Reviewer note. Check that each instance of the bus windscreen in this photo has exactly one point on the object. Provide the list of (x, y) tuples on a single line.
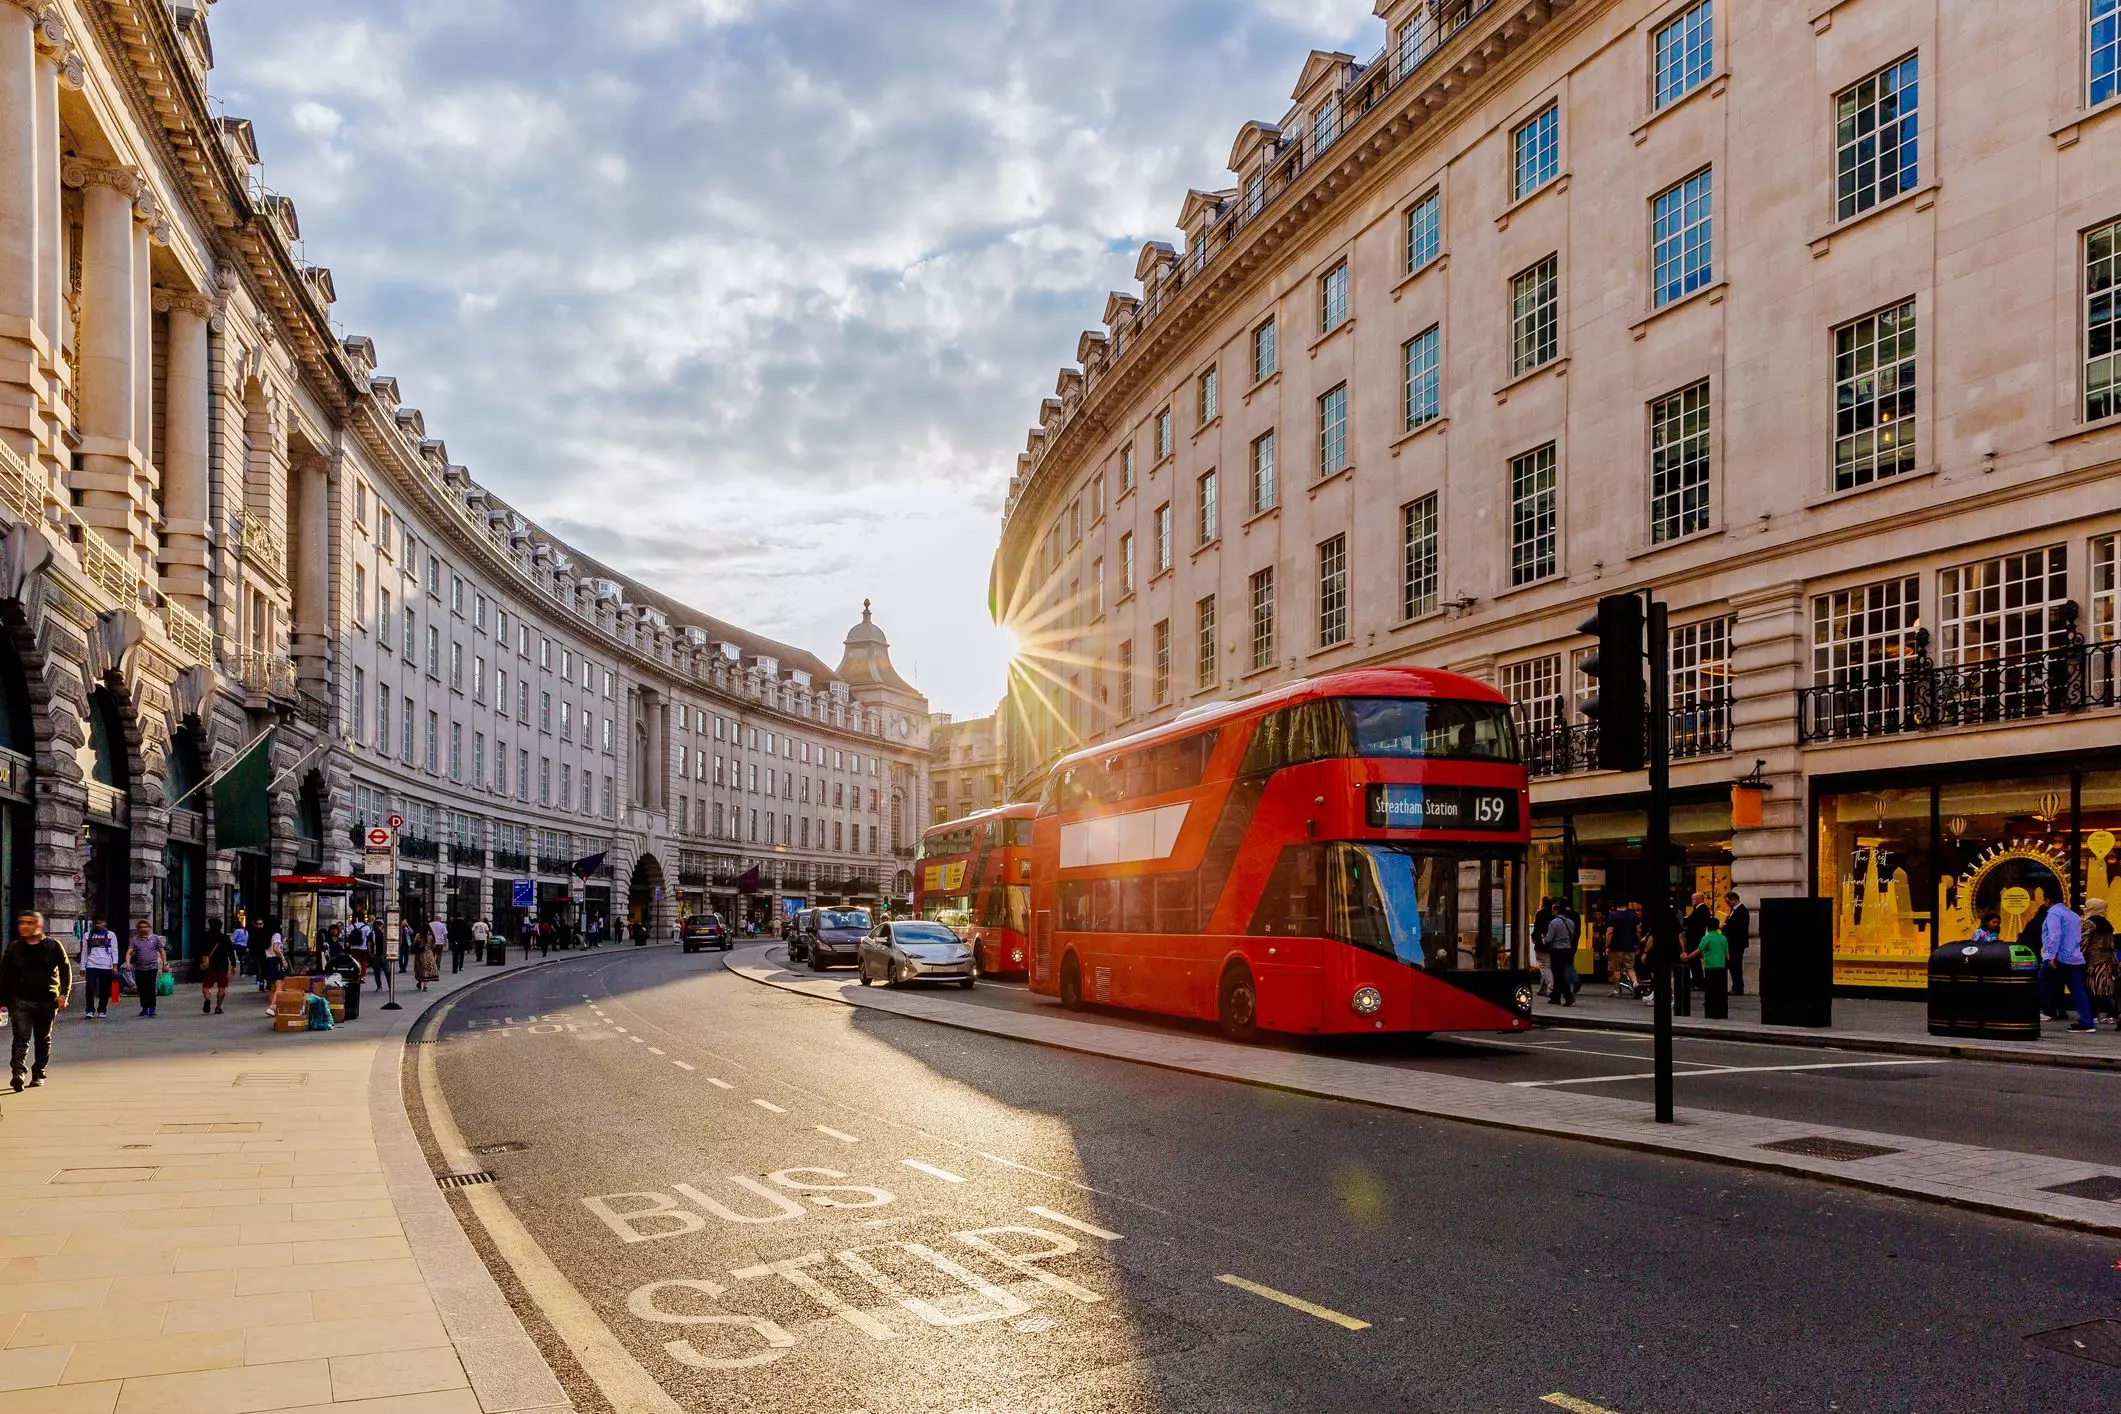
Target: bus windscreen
[(1438, 730)]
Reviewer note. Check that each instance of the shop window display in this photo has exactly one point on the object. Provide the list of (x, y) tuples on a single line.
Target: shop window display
[(1874, 854), (2005, 847)]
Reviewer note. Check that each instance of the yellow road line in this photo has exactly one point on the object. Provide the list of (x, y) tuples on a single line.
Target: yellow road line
[(1574, 1405), (1295, 1303)]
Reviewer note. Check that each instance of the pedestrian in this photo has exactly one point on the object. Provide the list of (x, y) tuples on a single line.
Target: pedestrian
[(1540, 920), (426, 961), (2099, 960), (1738, 931), (217, 961), (274, 966), (99, 965), (1560, 941), (2062, 960), (544, 931), (1622, 940), (251, 948), (1712, 955), (481, 937), (146, 957), (1687, 975), (36, 982), (459, 939), (1990, 930)]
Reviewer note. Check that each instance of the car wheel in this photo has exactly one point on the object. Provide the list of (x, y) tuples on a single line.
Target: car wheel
[(1071, 983), (1237, 1004), (861, 970), (967, 983), (817, 964)]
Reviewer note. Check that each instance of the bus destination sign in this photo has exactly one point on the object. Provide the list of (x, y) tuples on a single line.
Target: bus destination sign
[(1427, 807)]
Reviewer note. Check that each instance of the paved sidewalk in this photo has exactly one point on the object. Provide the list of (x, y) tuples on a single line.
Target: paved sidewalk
[(197, 1217), (1965, 1175), (1860, 1024)]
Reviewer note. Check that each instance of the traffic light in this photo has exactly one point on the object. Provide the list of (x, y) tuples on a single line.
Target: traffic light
[(1618, 705)]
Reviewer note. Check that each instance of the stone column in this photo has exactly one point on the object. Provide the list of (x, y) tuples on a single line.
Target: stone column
[(1767, 665), (19, 140), (109, 346), (143, 333), (659, 754), (310, 568), (54, 58), (185, 551)]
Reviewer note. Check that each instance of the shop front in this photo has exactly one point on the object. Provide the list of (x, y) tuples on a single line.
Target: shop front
[(1915, 860), (1592, 852)]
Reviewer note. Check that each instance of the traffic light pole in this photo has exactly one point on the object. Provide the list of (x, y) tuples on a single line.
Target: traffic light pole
[(1664, 931)]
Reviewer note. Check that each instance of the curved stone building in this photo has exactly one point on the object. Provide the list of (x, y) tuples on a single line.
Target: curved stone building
[(222, 529), (1803, 316)]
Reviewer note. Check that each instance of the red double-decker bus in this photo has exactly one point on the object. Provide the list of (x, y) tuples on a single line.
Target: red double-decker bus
[(1344, 854), (975, 875)]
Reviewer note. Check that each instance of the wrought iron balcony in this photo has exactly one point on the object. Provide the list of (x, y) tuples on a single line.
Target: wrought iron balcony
[(413, 847), (1917, 695), (511, 859), (471, 854), (1698, 729)]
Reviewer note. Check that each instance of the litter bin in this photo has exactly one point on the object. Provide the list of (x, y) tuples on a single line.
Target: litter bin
[(1985, 989), (497, 951)]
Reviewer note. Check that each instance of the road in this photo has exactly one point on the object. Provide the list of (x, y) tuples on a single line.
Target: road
[(883, 1215)]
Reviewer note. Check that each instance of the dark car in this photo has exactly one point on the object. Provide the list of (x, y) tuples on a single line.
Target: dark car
[(704, 931), (828, 936)]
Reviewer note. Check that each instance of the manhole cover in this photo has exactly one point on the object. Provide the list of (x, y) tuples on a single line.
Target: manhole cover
[(1818, 1146), (251, 1079), (2098, 1341), (463, 1180), (505, 1146), (2101, 1187)]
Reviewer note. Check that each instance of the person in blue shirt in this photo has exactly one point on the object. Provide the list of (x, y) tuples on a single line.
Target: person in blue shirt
[(2062, 960)]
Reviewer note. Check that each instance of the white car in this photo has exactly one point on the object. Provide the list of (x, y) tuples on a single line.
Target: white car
[(913, 950)]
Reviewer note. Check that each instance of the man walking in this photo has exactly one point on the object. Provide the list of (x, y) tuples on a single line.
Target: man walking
[(35, 980), (481, 937), (146, 958), (1621, 943), (99, 963), (2062, 960), (1738, 936), (216, 962), (1561, 952), (459, 939)]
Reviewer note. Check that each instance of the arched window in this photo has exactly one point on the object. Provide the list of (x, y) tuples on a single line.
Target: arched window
[(106, 736)]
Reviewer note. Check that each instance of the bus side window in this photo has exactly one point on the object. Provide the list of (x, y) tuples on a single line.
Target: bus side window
[(1138, 904), (1074, 906), (1292, 905), (1175, 903)]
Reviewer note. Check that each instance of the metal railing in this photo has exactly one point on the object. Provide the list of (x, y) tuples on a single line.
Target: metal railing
[(108, 570), (262, 546), (414, 847), (188, 633), (1916, 695), (21, 487), (266, 673), (1697, 729), (511, 859)]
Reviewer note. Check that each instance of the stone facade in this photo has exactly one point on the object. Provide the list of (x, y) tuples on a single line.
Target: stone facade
[(1800, 317), (968, 769), (205, 498)]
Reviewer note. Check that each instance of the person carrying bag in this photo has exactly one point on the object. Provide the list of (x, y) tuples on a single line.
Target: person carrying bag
[(147, 957)]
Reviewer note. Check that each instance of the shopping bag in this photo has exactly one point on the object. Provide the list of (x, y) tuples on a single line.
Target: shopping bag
[(125, 981), (166, 983)]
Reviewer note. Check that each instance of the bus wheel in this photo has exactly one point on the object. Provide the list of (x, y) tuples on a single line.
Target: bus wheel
[(1071, 983), (1237, 1004)]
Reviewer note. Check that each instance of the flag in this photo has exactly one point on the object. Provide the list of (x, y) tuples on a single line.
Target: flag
[(749, 883), (583, 868), (242, 809)]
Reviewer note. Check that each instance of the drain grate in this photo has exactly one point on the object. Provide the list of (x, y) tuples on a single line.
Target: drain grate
[(505, 1146), (256, 1079), (2097, 1341), (2102, 1187), (1818, 1146), (463, 1180)]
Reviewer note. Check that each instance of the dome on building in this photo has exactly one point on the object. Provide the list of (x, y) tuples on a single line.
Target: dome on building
[(866, 631), (867, 660)]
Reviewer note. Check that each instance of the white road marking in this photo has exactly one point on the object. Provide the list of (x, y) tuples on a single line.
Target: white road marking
[(655, 1050), (932, 1171), (620, 1029), (720, 1084), (1057, 1178), (1719, 1070), (836, 1134), (769, 1105), (637, 1040), (681, 1065), (1295, 1303), (1077, 1223), (1574, 1405)]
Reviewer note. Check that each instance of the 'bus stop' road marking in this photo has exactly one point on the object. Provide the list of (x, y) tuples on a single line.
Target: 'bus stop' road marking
[(1077, 1223), (932, 1171), (1295, 1303), (682, 1065), (832, 1133), (1720, 1070), (769, 1105), (1574, 1405)]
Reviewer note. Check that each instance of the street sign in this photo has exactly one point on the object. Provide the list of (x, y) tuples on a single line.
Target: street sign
[(377, 861), (397, 822), (378, 839), (523, 893)]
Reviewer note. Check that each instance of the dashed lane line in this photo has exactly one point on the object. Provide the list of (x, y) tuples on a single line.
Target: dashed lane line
[(769, 1105), (719, 1084), (656, 1051), (1295, 1303), (932, 1171), (637, 1040), (1077, 1223), (1720, 1070), (1574, 1405), (620, 1029), (831, 1133), (682, 1065)]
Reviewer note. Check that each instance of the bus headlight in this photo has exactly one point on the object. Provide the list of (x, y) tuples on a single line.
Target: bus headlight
[(1016, 954), (1367, 1001)]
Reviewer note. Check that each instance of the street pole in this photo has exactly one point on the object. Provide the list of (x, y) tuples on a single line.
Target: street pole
[(390, 929), (1665, 945)]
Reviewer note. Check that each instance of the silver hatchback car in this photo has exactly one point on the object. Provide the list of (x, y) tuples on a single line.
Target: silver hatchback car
[(913, 950)]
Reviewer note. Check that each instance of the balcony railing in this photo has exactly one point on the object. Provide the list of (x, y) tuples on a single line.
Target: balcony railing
[(413, 847), (21, 488), (265, 673), (1697, 729), (1916, 695), (262, 547), (511, 859), (471, 854), (188, 632), (108, 570)]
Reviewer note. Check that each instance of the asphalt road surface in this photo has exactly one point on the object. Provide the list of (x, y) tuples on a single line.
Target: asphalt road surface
[(777, 1203)]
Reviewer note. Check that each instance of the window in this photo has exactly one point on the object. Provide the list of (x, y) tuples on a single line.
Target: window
[(1679, 464), (1534, 690), (433, 739), (1859, 632), (1424, 231), (360, 705), (1420, 363), (456, 667), (1535, 151), (1163, 434), (1874, 139), (523, 773), (1874, 397), (1097, 587), (1207, 402), (2102, 319), (1126, 677), (1163, 537), (1097, 497), (1075, 522), (1325, 124), (478, 611), (1263, 619), (1535, 316), (1684, 51), (1534, 528), (434, 575), (456, 593), (1126, 564), (544, 780), (2105, 621), (523, 700), (478, 758), (434, 651), (1415, 40), (456, 751), (405, 731), (1207, 520), (1333, 298), (1681, 248), (1126, 467), (1160, 680), (1333, 432), (383, 717), (545, 653), (1263, 351), (2105, 51), (2003, 607), (1700, 666), (1263, 473), (1419, 555), (1204, 670), (545, 712), (360, 503), (384, 625), (567, 730), (412, 635), (360, 592), (1333, 591)]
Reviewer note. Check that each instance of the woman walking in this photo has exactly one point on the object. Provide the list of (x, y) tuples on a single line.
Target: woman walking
[(147, 957), (2099, 961), (426, 961), (274, 965), (217, 963)]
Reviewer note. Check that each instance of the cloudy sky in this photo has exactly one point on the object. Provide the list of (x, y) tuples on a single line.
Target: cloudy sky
[(754, 298)]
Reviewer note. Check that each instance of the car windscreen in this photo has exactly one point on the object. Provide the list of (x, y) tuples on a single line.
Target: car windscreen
[(843, 918), (913, 933)]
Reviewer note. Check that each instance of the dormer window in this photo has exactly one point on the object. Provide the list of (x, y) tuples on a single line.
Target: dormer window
[(1255, 196), (1325, 124)]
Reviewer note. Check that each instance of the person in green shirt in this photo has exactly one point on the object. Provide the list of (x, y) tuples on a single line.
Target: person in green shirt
[(1713, 956)]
